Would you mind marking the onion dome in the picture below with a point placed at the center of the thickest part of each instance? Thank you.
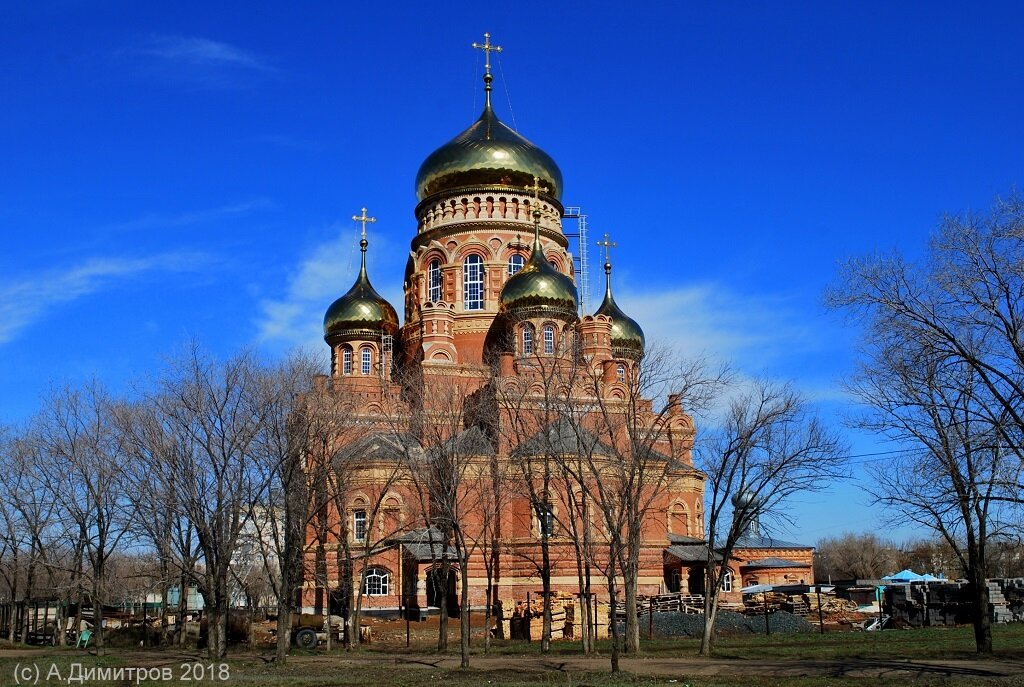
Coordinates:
(362, 313)
(488, 153)
(627, 337)
(538, 289)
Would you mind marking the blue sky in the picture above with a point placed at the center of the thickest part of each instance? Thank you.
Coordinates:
(187, 170)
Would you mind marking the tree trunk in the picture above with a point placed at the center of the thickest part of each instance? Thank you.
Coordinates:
(982, 618)
(545, 576)
(613, 626)
(707, 638)
(442, 625)
(179, 622)
(97, 610)
(632, 618)
(464, 617)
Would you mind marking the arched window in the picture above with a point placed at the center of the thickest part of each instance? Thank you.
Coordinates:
(515, 263)
(377, 582)
(473, 283)
(620, 373)
(549, 339)
(434, 281)
(367, 361)
(727, 580)
(528, 340)
(346, 361)
(553, 264)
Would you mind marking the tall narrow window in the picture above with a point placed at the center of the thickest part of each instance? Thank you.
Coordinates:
(473, 283)
(346, 361)
(515, 263)
(434, 281)
(549, 339)
(359, 524)
(528, 340)
(727, 581)
(545, 520)
(620, 373)
(367, 361)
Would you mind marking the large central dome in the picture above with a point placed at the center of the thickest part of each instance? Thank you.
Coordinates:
(488, 153)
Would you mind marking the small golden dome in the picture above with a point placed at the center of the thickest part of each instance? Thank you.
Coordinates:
(627, 336)
(488, 153)
(538, 289)
(362, 313)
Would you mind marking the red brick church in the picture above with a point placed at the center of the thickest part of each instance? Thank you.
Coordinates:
(494, 369)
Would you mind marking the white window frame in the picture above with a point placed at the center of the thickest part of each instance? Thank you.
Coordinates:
(549, 339)
(359, 527)
(434, 281)
(515, 263)
(346, 361)
(545, 520)
(473, 283)
(528, 340)
(727, 581)
(620, 373)
(366, 361)
(380, 579)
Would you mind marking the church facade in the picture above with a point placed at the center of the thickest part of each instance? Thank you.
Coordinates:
(488, 432)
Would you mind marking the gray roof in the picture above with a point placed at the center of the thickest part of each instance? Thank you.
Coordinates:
(562, 437)
(684, 539)
(776, 562)
(469, 442)
(761, 541)
(690, 553)
(425, 545)
(379, 446)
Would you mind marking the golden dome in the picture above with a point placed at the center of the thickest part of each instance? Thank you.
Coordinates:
(362, 313)
(488, 153)
(627, 337)
(538, 289)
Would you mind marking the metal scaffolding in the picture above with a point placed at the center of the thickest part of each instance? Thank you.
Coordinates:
(580, 255)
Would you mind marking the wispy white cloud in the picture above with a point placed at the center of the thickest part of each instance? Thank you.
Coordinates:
(26, 301)
(325, 273)
(204, 52)
(193, 217)
(711, 319)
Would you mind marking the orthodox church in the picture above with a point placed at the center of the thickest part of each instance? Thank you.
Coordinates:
(495, 375)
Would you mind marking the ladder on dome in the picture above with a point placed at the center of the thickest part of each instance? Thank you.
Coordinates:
(580, 254)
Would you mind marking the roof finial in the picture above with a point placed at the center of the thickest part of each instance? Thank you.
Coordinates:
(536, 189)
(488, 49)
(363, 243)
(607, 244)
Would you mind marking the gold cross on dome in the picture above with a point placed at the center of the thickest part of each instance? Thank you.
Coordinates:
(607, 245)
(536, 188)
(365, 219)
(488, 49)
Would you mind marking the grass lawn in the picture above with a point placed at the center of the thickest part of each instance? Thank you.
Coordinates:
(809, 660)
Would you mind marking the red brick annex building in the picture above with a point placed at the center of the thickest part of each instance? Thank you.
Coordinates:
(495, 368)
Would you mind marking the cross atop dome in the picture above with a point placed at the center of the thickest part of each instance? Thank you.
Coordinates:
(488, 49)
(364, 219)
(607, 245)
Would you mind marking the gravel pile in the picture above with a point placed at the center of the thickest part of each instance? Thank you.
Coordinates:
(673, 624)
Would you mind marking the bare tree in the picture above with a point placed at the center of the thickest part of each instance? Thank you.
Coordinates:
(945, 335)
(209, 409)
(83, 453)
(958, 477)
(855, 556)
(769, 447)
(963, 300)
